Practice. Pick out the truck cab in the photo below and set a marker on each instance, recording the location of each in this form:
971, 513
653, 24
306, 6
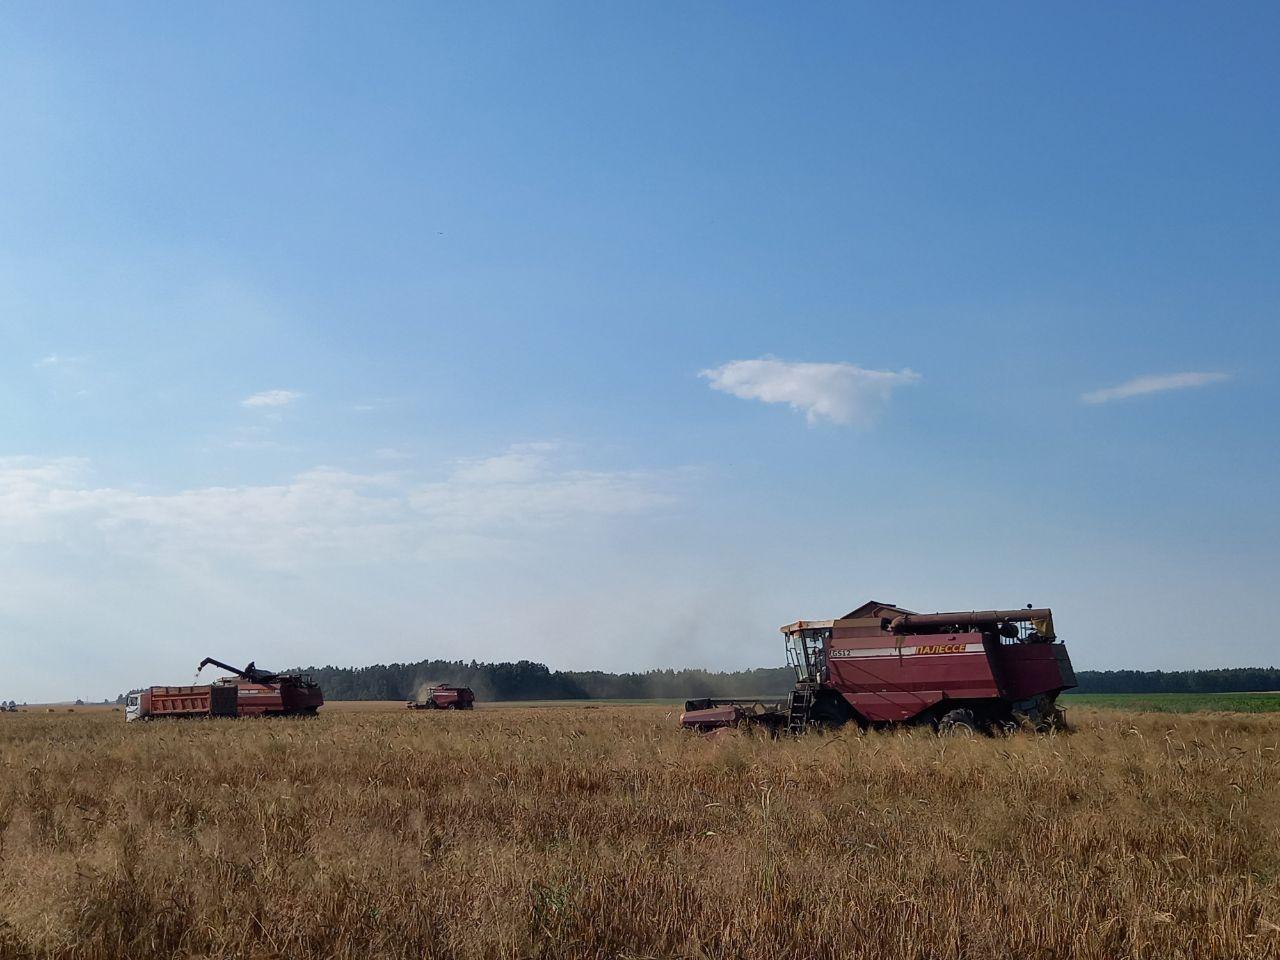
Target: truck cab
134, 707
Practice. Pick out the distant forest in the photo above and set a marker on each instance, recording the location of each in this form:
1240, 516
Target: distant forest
1229, 680
535, 681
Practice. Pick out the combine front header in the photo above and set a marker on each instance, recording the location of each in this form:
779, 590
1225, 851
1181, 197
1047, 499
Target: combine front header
881, 664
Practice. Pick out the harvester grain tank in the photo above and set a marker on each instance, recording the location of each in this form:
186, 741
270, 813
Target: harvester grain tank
444, 696
264, 693
208, 700
881, 665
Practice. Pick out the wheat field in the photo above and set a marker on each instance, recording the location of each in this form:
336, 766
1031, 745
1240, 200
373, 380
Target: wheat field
605, 832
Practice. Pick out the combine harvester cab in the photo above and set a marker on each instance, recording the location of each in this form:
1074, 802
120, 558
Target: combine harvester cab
881, 665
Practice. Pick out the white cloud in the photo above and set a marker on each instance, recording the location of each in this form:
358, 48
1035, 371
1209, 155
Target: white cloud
271, 398
1156, 383
321, 516
527, 487
840, 392
58, 360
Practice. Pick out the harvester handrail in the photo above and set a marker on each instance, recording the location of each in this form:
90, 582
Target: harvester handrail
971, 618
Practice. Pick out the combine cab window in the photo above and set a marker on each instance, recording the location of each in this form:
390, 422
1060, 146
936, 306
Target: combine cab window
807, 653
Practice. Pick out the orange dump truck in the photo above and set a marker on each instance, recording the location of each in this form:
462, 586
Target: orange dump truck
210, 700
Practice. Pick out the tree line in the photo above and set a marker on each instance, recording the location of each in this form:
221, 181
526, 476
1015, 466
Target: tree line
1229, 680
527, 680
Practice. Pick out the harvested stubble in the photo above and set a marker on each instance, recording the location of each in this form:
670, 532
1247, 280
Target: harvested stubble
571, 832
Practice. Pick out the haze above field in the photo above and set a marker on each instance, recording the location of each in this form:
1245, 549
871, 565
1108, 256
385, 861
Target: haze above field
615, 337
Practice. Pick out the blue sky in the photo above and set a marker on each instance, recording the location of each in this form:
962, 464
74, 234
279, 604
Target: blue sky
616, 335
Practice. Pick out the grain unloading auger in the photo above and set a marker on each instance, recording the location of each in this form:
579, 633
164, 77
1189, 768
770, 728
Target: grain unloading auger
881, 665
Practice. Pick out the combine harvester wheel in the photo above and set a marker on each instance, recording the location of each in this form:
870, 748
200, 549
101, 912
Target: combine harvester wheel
958, 723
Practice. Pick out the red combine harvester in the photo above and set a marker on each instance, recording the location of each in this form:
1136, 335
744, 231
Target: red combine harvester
881, 665
263, 693
445, 697
175, 702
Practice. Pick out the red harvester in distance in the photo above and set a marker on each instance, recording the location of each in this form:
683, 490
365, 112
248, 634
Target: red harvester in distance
444, 696
263, 693
881, 664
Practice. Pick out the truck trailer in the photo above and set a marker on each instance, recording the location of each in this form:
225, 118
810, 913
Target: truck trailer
881, 665
154, 703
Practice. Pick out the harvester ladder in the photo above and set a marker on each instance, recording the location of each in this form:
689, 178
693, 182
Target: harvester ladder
798, 711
